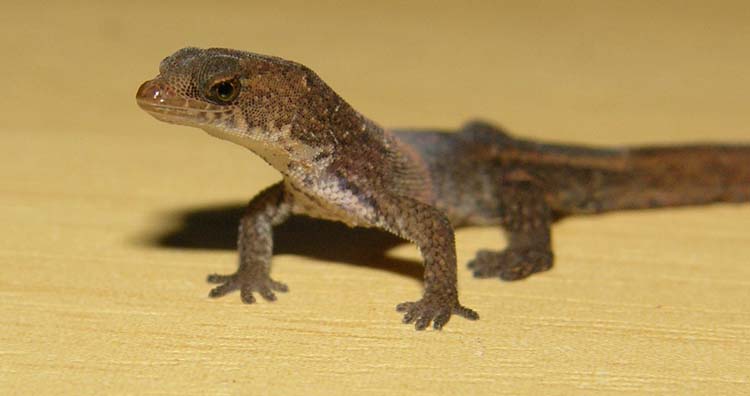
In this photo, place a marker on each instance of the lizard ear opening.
(224, 92)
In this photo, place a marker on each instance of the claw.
(467, 313)
(246, 294)
(280, 287)
(422, 323)
(216, 278)
(440, 321)
(267, 294)
(221, 290)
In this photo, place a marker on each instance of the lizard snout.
(153, 93)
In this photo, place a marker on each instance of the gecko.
(420, 185)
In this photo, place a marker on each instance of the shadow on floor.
(215, 227)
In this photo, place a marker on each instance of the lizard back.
(468, 170)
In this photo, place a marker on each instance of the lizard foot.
(434, 310)
(510, 264)
(247, 283)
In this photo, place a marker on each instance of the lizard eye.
(225, 91)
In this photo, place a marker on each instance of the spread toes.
(427, 310)
(247, 285)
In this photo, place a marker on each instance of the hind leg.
(526, 217)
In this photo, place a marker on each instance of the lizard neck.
(370, 157)
(265, 142)
(322, 138)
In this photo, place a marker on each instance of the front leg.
(255, 245)
(526, 217)
(432, 232)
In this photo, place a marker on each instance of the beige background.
(111, 220)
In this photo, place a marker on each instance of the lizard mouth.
(162, 102)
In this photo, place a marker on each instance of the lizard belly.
(328, 201)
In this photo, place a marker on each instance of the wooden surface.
(111, 220)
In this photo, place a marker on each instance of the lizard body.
(339, 165)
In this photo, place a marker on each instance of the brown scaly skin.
(338, 165)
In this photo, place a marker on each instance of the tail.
(681, 175)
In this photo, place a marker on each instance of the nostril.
(148, 90)
(156, 95)
(151, 93)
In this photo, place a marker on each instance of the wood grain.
(111, 220)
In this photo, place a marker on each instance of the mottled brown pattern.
(255, 244)
(419, 185)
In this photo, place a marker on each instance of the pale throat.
(275, 145)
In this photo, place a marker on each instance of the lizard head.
(272, 106)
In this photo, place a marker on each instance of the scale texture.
(111, 219)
